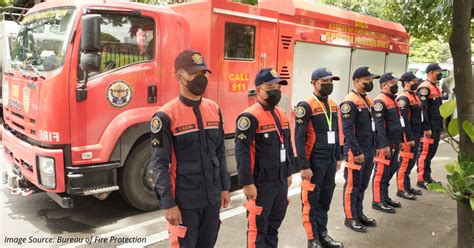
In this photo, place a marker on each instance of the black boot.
(431, 180)
(395, 204)
(422, 184)
(314, 243)
(355, 225)
(329, 242)
(382, 206)
(366, 221)
(406, 195)
(415, 191)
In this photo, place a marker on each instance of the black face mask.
(413, 87)
(326, 89)
(274, 97)
(368, 86)
(439, 76)
(394, 89)
(198, 85)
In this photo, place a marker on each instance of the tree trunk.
(465, 225)
(460, 44)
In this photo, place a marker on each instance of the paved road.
(36, 221)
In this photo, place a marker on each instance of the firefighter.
(430, 97)
(389, 139)
(188, 157)
(358, 128)
(264, 155)
(410, 108)
(319, 156)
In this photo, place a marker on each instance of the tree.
(428, 51)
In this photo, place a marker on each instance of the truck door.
(246, 46)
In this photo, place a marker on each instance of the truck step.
(99, 189)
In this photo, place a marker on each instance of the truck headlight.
(47, 172)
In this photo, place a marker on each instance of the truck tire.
(135, 187)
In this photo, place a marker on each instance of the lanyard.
(280, 135)
(327, 114)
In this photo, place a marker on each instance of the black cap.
(191, 61)
(269, 76)
(433, 67)
(388, 77)
(364, 72)
(409, 76)
(323, 73)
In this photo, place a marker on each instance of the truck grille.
(19, 122)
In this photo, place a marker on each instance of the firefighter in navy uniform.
(430, 96)
(264, 155)
(358, 127)
(191, 178)
(410, 108)
(319, 156)
(388, 141)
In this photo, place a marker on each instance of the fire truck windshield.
(42, 40)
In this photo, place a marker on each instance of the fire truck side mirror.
(90, 46)
(90, 34)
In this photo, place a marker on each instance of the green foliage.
(453, 127)
(428, 51)
(423, 19)
(4, 3)
(447, 108)
(460, 180)
(469, 129)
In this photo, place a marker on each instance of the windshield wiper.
(26, 74)
(38, 74)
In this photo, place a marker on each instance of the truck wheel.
(135, 187)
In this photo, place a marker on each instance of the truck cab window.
(239, 41)
(124, 40)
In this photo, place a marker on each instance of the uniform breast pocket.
(189, 175)
(185, 143)
(213, 139)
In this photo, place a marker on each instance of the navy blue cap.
(323, 73)
(409, 76)
(191, 61)
(388, 77)
(364, 71)
(433, 67)
(268, 76)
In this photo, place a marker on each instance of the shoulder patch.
(424, 91)
(243, 123)
(345, 108)
(378, 107)
(402, 103)
(300, 112)
(156, 124)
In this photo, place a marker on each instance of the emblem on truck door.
(119, 93)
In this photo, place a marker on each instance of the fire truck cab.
(87, 76)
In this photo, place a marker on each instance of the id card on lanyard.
(328, 114)
(280, 134)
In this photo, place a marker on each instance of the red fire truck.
(87, 76)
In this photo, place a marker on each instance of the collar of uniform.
(433, 83)
(189, 102)
(360, 94)
(391, 96)
(266, 107)
(321, 98)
